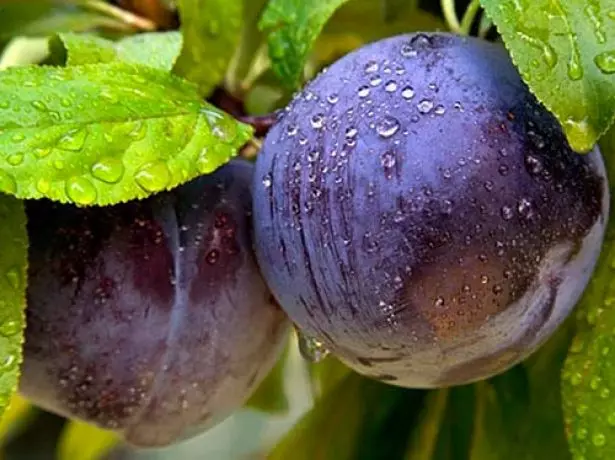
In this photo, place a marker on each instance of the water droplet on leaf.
(109, 170)
(73, 140)
(153, 177)
(81, 191)
(606, 62)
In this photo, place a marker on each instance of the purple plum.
(422, 215)
(149, 318)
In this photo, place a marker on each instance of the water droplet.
(65, 102)
(439, 302)
(533, 164)
(10, 328)
(43, 186)
(576, 379)
(407, 93)
(503, 170)
(39, 105)
(81, 191)
(388, 162)
(153, 177)
(525, 207)
(581, 433)
(311, 349)
(592, 10)
(606, 62)
(15, 160)
(548, 53)
(387, 127)
(575, 69)
(375, 80)
(9, 362)
(440, 110)
(313, 155)
(351, 132)
(19, 137)
(599, 440)
(363, 91)
(7, 183)
(267, 180)
(14, 278)
(333, 99)
(611, 419)
(408, 51)
(488, 185)
(390, 86)
(109, 170)
(425, 106)
(41, 153)
(4, 104)
(317, 121)
(371, 67)
(58, 164)
(73, 140)
(507, 212)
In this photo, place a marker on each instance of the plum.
(150, 317)
(421, 214)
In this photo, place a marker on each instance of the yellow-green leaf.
(80, 441)
(211, 31)
(13, 280)
(565, 51)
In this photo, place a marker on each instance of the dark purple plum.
(420, 213)
(150, 317)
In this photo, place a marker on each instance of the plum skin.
(422, 215)
(151, 317)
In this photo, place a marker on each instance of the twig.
(125, 16)
(261, 123)
(450, 15)
(469, 16)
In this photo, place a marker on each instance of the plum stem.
(124, 16)
(450, 15)
(261, 123)
(469, 16)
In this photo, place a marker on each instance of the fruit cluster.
(414, 209)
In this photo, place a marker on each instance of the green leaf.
(16, 418)
(13, 279)
(107, 133)
(519, 413)
(292, 27)
(359, 419)
(80, 441)
(565, 51)
(44, 17)
(589, 375)
(445, 430)
(326, 374)
(270, 397)
(211, 30)
(79, 49)
(153, 49)
(156, 49)
(249, 48)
